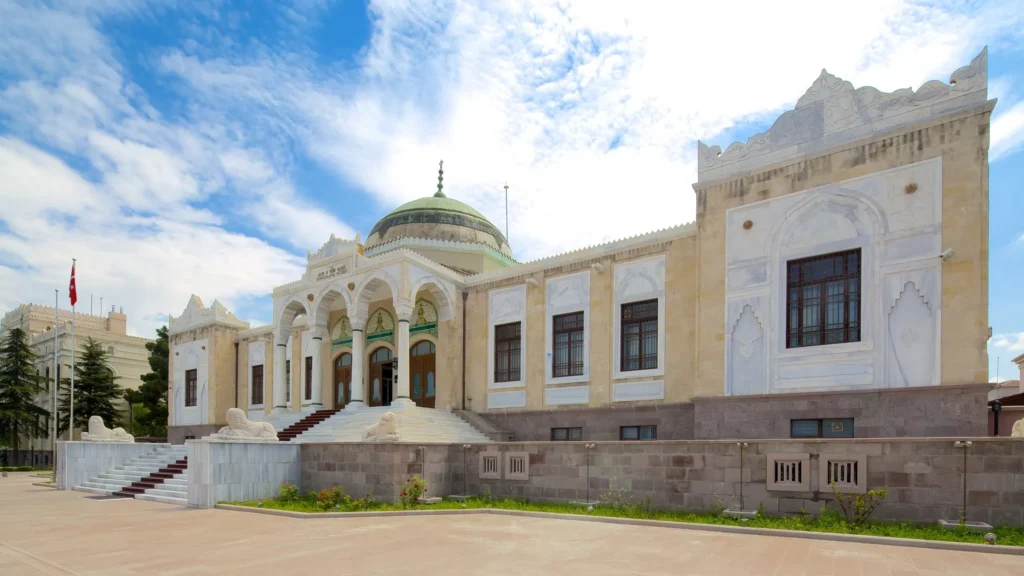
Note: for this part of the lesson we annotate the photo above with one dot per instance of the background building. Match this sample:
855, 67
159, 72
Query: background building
126, 355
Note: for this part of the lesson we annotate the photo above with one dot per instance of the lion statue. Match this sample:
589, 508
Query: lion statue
98, 432
1018, 429
384, 431
242, 429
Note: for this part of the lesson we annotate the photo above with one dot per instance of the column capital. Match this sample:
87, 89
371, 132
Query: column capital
318, 333
403, 310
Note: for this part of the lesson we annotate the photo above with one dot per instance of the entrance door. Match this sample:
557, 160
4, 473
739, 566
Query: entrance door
342, 380
381, 377
421, 373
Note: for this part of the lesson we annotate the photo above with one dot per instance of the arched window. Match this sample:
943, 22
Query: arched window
110, 350
344, 360
424, 348
380, 355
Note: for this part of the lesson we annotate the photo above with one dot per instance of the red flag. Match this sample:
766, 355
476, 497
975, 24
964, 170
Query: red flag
72, 292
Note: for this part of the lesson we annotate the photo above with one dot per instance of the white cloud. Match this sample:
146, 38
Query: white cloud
588, 108
149, 265
1007, 132
1011, 342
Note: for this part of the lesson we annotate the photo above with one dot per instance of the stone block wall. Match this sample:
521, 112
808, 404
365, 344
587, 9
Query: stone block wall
928, 411
674, 421
923, 476
378, 469
238, 471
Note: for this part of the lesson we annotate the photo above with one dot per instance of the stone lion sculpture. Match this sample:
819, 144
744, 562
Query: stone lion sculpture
1018, 429
241, 429
98, 432
384, 431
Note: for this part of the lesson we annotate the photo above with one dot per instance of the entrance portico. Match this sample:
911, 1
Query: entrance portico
339, 279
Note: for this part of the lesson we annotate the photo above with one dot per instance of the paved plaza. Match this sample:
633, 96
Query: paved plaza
44, 531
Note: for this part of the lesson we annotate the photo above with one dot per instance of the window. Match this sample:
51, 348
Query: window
309, 377
821, 428
640, 335
257, 385
287, 380
567, 333
507, 350
191, 378
823, 300
567, 433
110, 350
638, 433
47, 379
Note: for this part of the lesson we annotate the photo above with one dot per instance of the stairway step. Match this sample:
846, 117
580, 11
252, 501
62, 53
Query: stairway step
163, 499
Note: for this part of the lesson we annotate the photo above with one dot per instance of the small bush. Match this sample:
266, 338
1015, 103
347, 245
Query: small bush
17, 469
858, 509
331, 498
411, 492
288, 492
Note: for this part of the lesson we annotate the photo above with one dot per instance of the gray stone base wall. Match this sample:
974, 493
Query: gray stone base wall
674, 421
178, 434
379, 469
924, 412
923, 476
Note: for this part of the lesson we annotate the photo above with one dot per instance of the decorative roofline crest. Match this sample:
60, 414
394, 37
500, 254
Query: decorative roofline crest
832, 111
196, 314
333, 247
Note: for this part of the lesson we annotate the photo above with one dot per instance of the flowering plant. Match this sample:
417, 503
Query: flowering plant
411, 492
287, 492
335, 497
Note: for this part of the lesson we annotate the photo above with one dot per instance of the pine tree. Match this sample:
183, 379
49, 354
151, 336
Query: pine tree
151, 415
20, 416
96, 390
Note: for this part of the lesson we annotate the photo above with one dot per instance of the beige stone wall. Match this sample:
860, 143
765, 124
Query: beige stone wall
222, 372
961, 142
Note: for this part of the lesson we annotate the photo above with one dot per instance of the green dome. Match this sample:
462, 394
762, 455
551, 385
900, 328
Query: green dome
419, 218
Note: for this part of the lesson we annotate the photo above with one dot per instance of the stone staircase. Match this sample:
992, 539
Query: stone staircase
304, 425
160, 476
415, 424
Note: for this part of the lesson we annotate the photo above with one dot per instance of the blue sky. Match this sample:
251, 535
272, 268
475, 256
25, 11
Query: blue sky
180, 147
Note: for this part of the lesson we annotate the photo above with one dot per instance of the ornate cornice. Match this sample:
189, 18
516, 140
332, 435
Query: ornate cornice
832, 112
333, 247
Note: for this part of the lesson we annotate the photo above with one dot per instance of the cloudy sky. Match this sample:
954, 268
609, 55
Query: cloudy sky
177, 147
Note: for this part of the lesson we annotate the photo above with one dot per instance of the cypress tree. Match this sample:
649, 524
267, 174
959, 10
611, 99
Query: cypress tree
20, 416
96, 390
152, 395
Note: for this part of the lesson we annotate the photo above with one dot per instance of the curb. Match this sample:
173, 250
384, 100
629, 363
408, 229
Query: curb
45, 485
829, 536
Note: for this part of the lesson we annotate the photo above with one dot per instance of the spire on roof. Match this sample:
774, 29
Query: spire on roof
440, 181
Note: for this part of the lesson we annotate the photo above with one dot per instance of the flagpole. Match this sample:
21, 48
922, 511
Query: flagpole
71, 415
56, 383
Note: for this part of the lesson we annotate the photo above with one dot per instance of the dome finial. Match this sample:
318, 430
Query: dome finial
440, 181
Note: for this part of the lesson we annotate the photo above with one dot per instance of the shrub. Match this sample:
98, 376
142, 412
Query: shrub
330, 498
17, 469
858, 509
287, 492
411, 492
616, 499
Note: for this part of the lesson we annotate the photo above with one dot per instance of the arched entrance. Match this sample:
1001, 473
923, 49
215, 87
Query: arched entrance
381, 377
342, 380
422, 387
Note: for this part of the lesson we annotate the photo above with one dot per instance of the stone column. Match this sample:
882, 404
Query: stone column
402, 389
280, 385
317, 401
358, 357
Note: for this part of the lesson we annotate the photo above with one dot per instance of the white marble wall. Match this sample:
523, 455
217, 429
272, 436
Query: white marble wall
79, 462
636, 281
565, 295
236, 471
895, 218
191, 355
505, 306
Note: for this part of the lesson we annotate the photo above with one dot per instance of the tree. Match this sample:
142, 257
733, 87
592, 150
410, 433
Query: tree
96, 390
20, 416
150, 400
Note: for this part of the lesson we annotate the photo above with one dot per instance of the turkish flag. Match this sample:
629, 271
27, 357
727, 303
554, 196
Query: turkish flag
72, 292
